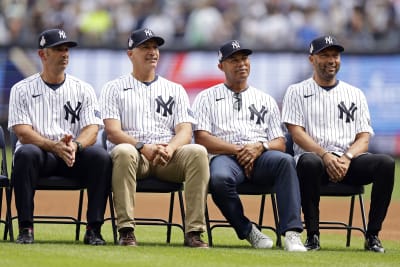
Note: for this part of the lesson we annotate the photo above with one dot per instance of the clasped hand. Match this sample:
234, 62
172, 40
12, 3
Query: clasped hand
246, 156
336, 167
159, 154
66, 149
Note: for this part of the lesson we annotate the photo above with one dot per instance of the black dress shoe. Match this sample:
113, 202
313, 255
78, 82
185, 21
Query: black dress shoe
93, 237
25, 236
373, 243
312, 242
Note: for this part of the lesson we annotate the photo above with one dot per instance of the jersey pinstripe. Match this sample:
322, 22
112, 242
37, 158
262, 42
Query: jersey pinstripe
257, 120
53, 113
149, 113
332, 117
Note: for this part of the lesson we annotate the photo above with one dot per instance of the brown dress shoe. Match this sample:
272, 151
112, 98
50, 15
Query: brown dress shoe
193, 240
127, 238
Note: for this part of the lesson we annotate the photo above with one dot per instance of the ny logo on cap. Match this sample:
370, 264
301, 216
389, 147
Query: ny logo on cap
328, 40
235, 45
62, 34
148, 32
42, 41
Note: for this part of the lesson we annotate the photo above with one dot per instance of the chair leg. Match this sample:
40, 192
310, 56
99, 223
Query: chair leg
9, 226
6, 220
209, 233
261, 215
79, 217
112, 218
360, 197
182, 208
350, 224
276, 219
170, 215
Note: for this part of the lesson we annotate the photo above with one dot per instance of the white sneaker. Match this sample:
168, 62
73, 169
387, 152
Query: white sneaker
293, 242
258, 239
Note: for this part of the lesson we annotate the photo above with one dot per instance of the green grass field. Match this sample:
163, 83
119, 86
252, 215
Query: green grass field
55, 246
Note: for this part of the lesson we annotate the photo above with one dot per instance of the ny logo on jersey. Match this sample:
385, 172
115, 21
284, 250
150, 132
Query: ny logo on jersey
260, 114
62, 34
166, 106
73, 112
349, 112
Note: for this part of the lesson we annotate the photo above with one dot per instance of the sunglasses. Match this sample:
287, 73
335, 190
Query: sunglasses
238, 101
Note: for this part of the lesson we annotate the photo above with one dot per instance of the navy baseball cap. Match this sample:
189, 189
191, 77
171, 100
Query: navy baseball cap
138, 37
320, 43
54, 37
231, 47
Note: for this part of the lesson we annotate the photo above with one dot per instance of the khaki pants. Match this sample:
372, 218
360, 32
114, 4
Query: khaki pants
189, 164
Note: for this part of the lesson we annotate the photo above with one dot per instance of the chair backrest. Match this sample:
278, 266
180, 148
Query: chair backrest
13, 141
4, 171
4, 166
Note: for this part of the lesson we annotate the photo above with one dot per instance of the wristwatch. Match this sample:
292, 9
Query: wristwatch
79, 146
139, 146
349, 155
265, 145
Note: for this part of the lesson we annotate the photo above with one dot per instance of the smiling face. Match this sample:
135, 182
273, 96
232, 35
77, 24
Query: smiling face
326, 65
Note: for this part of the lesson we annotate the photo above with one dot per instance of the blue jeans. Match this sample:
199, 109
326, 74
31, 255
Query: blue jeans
271, 168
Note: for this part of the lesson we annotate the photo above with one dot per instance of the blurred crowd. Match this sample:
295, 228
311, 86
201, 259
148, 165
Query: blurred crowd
362, 25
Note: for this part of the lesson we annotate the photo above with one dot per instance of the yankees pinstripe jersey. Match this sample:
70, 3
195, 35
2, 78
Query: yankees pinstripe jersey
240, 119
332, 117
150, 112
53, 113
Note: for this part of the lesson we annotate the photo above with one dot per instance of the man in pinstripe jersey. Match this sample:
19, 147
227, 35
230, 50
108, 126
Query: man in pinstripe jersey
241, 128
148, 122
330, 124
56, 119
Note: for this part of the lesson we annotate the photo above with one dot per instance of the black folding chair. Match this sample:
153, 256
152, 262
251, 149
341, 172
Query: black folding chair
339, 190
156, 186
253, 190
61, 183
5, 187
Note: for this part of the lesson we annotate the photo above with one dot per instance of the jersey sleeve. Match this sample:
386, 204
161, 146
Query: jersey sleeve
292, 111
364, 124
201, 110
184, 111
91, 111
17, 109
275, 122
109, 107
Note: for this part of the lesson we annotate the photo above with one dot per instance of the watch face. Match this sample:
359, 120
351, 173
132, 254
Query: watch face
265, 145
139, 145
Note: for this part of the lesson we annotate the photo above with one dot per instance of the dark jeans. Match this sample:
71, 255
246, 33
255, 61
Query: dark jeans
377, 169
93, 166
271, 168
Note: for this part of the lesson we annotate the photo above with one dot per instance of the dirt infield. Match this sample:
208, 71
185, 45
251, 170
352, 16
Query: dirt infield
156, 205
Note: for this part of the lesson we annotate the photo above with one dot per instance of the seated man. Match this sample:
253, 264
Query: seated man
331, 127
56, 119
149, 129
241, 128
